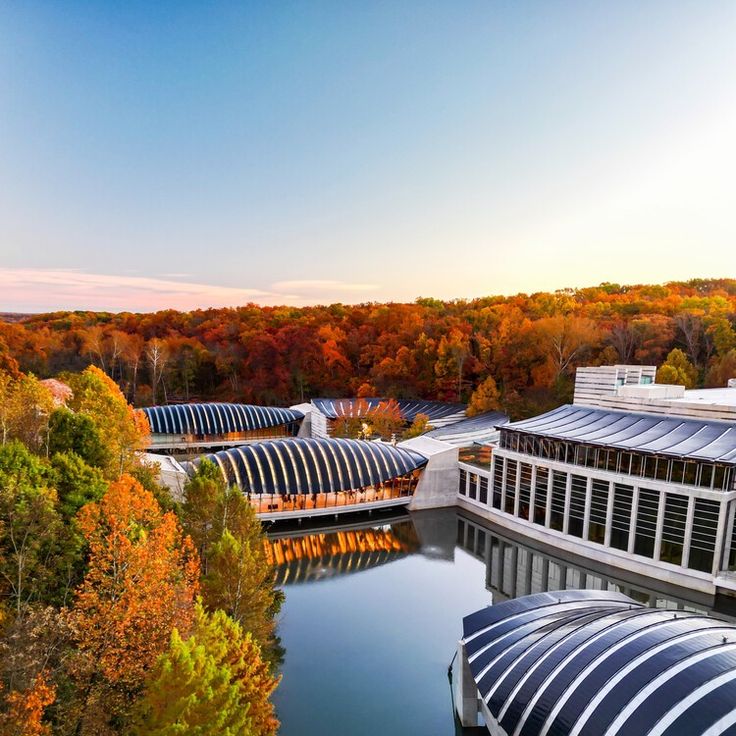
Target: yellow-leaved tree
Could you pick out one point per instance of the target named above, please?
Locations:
(123, 429)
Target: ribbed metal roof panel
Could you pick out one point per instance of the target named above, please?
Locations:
(409, 408)
(216, 418)
(579, 663)
(313, 465)
(700, 439)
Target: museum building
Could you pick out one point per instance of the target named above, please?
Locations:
(651, 489)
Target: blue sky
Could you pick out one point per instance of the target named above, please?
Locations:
(190, 154)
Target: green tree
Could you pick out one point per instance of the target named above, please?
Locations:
(77, 483)
(212, 683)
(30, 528)
(677, 370)
(202, 510)
(70, 431)
(230, 540)
(240, 582)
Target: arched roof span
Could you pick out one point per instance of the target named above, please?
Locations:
(314, 465)
(409, 408)
(216, 418)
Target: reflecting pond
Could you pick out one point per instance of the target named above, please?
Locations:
(374, 608)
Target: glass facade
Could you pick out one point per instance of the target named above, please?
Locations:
(672, 527)
(400, 487)
(678, 471)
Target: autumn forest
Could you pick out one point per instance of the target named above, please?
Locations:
(527, 345)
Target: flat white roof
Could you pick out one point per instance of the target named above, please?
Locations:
(719, 396)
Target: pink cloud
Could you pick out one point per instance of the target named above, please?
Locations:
(42, 290)
(33, 290)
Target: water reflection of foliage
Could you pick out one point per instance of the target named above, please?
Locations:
(325, 554)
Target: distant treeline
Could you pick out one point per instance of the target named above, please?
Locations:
(529, 345)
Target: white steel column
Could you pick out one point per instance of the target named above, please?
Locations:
(491, 480)
(517, 489)
(660, 525)
(609, 516)
(588, 501)
(566, 515)
(533, 492)
(548, 510)
(722, 559)
(724, 532)
(689, 531)
(503, 483)
(634, 518)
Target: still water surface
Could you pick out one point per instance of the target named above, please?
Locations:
(373, 613)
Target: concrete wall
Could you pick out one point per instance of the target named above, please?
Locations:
(592, 383)
(466, 691)
(679, 407)
(171, 474)
(305, 428)
(437, 485)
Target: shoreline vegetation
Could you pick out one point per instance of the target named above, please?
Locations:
(122, 611)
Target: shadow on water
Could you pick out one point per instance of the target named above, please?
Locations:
(374, 607)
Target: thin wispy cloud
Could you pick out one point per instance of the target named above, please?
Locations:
(36, 290)
(40, 290)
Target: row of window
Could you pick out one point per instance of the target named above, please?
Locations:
(542, 498)
(641, 465)
(514, 570)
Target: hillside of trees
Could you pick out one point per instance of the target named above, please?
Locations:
(521, 351)
(123, 611)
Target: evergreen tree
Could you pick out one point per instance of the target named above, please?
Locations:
(30, 529)
(212, 683)
(76, 482)
(230, 541)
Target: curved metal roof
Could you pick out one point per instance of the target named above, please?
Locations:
(477, 429)
(216, 418)
(435, 410)
(596, 662)
(313, 465)
(653, 433)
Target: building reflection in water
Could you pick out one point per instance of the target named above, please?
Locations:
(323, 554)
(514, 570)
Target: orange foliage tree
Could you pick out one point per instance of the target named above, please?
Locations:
(141, 584)
(24, 710)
